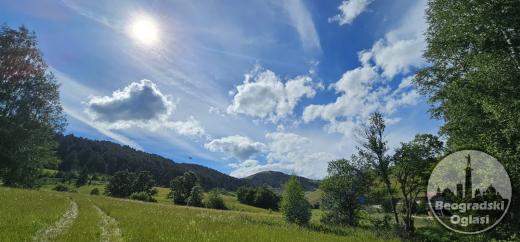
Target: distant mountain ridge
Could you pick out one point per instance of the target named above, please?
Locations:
(106, 157)
(276, 179)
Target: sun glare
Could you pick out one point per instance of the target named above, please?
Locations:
(144, 30)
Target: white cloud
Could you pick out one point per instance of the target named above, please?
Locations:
(140, 104)
(289, 153)
(301, 19)
(401, 49)
(398, 56)
(363, 91)
(191, 127)
(357, 99)
(367, 89)
(239, 147)
(349, 10)
(264, 95)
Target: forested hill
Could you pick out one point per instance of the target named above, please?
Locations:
(107, 157)
(275, 178)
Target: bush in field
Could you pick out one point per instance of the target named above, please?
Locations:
(295, 208)
(94, 191)
(121, 184)
(246, 195)
(61, 188)
(142, 196)
(261, 197)
(124, 184)
(265, 198)
(182, 186)
(82, 179)
(195, 198)
(214, 200)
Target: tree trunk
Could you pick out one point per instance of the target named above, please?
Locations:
(389, 189)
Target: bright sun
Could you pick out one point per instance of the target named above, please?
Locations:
(144, 30)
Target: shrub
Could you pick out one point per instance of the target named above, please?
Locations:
(182, 186)
(61, 188)
(295, 208)
(82, 178)
(124, 184)
(214, 200)
(261, 197)
(94, 191)
(195, 198)
(142, 196)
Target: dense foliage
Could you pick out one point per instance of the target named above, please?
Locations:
(261, 197)
(138, 185)
(414, 162)
(473, 80)
(346, 182)
(196, 197)
(295, 208)
(214, 200)
(30, 109)
(182, 187)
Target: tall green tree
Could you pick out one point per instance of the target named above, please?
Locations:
(195, 198)
(121, 184)
(182, 186)
(414, 162)
(30, 109)
(345, 184)
(374, 150)
(473, 48)
(295, 208)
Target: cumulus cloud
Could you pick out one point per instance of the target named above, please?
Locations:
(290, 153)
(398, 56)
(140, 103)
(349, 10)
(236, 146)
(191, 127)
(401, 49)
(263, 95)
(363, 91)
(368, 88)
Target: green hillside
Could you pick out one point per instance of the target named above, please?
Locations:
(276, 179)
(52, 216)
(105, 157)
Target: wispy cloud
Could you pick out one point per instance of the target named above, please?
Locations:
(302, 21)
(349, 11)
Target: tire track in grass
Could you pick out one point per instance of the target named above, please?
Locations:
(109, 230)
(66, 220)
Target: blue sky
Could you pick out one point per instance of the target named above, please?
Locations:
(239, 86)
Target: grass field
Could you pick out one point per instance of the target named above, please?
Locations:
(27, 213)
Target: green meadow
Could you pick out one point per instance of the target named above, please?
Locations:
(29, 215)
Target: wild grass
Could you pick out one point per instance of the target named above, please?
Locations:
(24, 212)
(140, 221)
(85, 227)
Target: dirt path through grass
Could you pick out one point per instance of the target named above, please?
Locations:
(109, 230)
(51, 232)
